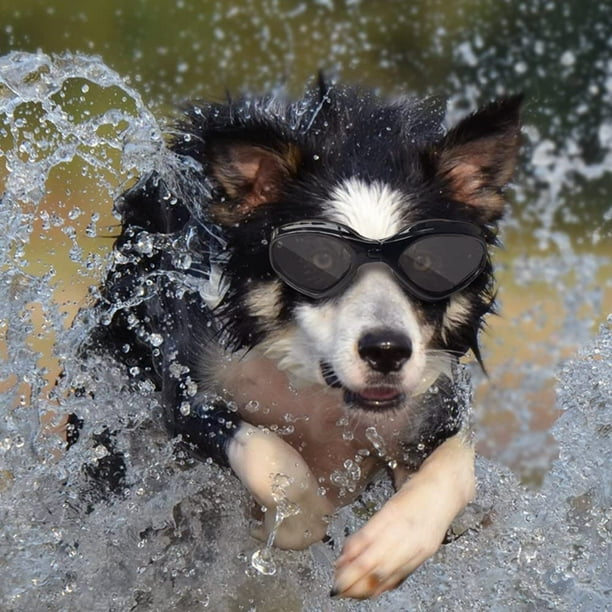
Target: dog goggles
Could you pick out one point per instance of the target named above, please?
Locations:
(431, 259)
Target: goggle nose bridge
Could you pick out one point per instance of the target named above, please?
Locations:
(374, 251)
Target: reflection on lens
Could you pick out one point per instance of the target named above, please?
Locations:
(310, 262)
(442, 264)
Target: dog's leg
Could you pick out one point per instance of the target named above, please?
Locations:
(411, 525)
(271, 470)
(279, 479)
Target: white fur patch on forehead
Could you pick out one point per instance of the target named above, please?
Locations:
(371, 209)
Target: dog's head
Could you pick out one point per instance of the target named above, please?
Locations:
(357, 233)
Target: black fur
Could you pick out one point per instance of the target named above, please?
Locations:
(154, 316)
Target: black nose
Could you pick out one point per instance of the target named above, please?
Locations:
(385, 350)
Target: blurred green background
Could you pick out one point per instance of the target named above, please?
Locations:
(468, 51)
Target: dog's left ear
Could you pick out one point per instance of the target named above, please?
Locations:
(477, 157)
(250, 174)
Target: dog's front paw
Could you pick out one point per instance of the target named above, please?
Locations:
(401, 536)
(410, 527)
(281, 482)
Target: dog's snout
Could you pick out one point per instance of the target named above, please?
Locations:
(385, 350)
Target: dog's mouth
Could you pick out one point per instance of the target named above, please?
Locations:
(376, 397)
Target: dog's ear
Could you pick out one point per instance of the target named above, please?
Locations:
(477, 157)
(250, 175)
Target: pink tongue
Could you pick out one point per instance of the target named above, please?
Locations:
(379, 393)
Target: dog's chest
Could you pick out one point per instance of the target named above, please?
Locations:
(342, 449)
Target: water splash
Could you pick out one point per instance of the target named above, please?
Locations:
(173, 534)
(262, 559)
(376, 440)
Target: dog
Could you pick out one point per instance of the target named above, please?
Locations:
(300, 279)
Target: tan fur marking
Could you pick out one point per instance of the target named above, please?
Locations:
(264, 300)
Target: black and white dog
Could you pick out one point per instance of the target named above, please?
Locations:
(300, 280)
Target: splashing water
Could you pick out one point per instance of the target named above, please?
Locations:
(376, 440)
(174, 535)
(262, 559)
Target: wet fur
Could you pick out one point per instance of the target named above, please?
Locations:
(192, 300)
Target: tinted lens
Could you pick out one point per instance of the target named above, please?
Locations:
(439, 265)
(309, 262)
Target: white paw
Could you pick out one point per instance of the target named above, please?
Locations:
(387, 549)
(279, 479)
(410, 527)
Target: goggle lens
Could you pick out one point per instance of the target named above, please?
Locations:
(441, 265)
(311, 262)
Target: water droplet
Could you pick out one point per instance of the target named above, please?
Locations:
(252, 406)
(568, 59)
(156, 339)
(144, 244)
(100, 451)
(183, 261)
(263, 562)
(376, 440)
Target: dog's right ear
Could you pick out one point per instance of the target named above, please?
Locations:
(249, 174)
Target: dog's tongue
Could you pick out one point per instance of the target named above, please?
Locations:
(379, 394)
